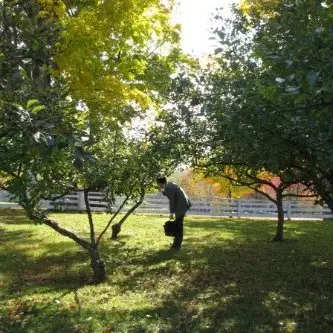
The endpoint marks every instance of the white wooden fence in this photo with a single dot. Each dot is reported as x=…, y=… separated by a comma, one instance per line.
x=213, y=206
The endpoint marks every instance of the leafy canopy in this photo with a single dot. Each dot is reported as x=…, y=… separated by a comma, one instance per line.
x=110, y=50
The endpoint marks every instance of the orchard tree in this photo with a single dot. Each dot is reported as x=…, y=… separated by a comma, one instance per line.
x=245, y=142
x=293, y=42
x=70, y=69
x=253, y=123
x=117, y=57
x=274, y=188
x=148, y=157
x=229, y=120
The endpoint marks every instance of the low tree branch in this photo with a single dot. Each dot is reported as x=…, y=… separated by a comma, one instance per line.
x=112, y=218
x=90, y=219
x=136, y=205
x=63, y=231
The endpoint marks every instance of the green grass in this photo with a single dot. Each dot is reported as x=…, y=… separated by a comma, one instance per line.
x=228, y=277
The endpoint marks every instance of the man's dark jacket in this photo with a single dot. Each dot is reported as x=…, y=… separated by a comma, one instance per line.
x=178, y=200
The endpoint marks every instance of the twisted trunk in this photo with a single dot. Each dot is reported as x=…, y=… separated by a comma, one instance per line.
x=327, y=194
x=97, y=264
x=279, y=231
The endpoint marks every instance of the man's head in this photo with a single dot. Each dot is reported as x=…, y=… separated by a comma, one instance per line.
x=161, y=181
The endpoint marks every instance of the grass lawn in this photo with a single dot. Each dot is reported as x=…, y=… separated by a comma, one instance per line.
x=228, y=277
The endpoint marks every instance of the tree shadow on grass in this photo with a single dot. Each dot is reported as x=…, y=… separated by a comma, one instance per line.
x=40, y=316
x=237, y=282
x=248, y=295
x=59, y=265
x=243, y=284
x=14, y=216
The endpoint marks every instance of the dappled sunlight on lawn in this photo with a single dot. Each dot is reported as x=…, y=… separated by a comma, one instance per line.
x=228, y=277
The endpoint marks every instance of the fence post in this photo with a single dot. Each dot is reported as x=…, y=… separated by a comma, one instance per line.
x=289, y=210
x=238, y=208
x=81, y=205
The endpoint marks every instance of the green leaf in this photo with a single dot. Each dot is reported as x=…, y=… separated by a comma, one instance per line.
x=38, y=108
x=32, y=102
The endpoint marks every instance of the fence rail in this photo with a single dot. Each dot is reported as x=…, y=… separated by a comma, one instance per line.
x=213, y=206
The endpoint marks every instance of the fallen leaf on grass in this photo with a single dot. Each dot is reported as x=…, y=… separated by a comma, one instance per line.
x=108, y=329
x=78, y=329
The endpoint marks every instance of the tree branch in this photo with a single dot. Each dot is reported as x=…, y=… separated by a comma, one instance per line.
x=65, y=232
x=263, y=193
x=112, y=218
x=137, y=204
x=90, y=219
x=300, y=195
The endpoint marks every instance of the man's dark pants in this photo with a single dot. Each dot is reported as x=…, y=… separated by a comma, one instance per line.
x=179, y=232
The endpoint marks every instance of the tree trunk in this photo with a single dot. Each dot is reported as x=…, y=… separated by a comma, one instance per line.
x=324, y=187
x=90, y=218
x=328, y=199
x=63, y=231
x=280, y=223
x=116, y=228
x=330, y=204
x=97, y=264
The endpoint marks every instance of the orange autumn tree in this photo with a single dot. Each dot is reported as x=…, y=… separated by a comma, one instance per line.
x=275, y=187
x=196, y=183
x=294, y=190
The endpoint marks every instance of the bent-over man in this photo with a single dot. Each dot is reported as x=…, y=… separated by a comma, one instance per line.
x=179, y=204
